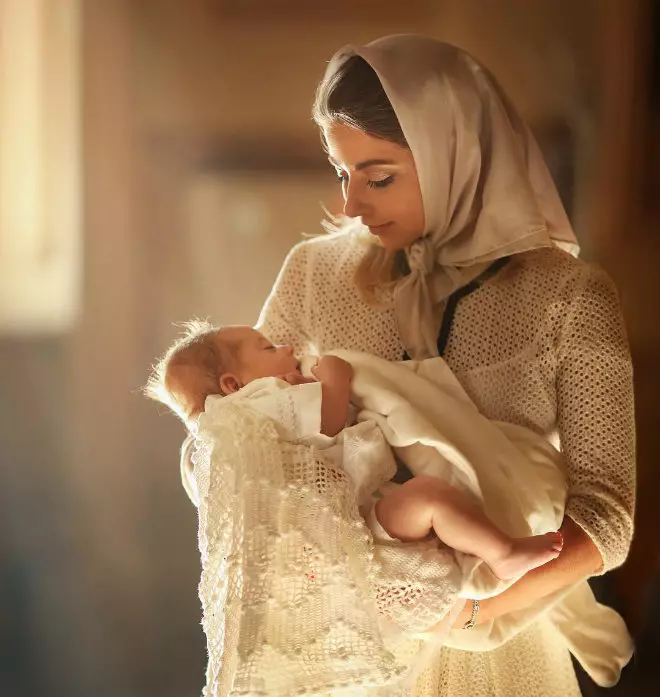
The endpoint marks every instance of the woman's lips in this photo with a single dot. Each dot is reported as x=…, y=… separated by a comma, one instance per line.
x=376, y=229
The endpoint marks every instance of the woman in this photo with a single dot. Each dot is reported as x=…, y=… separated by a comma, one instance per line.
x=457, y=245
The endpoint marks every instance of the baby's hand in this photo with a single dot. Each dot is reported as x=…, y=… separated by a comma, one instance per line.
x=333, y=369
x=296, y=378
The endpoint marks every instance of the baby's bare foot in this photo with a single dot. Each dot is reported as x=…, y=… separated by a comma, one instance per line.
x=527, y=553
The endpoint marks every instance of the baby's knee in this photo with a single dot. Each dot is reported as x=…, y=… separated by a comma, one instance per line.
x=404, y=515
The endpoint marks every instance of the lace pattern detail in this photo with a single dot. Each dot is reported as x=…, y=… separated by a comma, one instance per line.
x=292, y=592
x=286, y=411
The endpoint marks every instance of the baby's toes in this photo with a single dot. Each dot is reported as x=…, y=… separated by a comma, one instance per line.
x=556, y=540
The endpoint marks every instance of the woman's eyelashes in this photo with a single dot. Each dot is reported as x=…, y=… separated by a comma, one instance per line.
x=380, y=183
x=372, y=183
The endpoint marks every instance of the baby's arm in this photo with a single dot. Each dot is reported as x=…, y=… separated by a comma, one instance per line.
x=335, y=376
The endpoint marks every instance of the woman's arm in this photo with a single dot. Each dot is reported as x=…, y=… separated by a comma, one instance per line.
x=596, y=426
x=578, y=560
x=596, y=417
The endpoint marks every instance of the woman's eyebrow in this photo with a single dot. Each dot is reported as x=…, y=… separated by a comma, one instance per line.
x=364, y=165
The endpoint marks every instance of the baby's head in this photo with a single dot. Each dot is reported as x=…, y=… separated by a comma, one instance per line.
x=209, y=360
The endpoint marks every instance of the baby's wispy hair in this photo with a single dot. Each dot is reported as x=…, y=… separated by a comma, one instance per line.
x=190, y=369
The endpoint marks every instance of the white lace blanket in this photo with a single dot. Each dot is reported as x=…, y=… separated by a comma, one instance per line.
x=288, y=585
x=294, y=590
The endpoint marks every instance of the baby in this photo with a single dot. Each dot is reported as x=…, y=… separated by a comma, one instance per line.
x=222, y=361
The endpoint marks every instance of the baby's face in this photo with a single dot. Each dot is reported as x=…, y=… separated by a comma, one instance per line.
x=257, y=357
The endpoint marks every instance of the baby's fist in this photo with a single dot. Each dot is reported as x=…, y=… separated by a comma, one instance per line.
x=296, y=378
x=333, y=369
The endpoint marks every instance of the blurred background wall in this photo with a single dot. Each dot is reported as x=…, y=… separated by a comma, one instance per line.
x=199, y=167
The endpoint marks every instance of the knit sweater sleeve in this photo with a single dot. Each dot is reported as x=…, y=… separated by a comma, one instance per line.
x=596, y=416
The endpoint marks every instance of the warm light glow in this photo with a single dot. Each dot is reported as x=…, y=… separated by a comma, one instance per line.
x=39, y=165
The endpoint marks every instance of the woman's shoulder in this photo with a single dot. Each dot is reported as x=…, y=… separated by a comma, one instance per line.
x=548, y=260
x=558, y=272
x=314, y=268
x=341, y=243
x=325, y=241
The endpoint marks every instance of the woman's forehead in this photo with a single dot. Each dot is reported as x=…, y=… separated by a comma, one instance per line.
x=353, y=149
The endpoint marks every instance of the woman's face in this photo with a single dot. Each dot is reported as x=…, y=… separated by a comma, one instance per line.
x=380, y=184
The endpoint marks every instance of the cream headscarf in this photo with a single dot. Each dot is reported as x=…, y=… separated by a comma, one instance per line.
x=486, y=190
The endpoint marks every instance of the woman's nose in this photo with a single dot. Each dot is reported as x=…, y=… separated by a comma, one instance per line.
x=354, y=204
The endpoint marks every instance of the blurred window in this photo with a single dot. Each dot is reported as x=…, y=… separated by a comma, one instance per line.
x=39, y=165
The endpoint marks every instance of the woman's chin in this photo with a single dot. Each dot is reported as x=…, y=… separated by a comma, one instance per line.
x=388, y=244
x=382, y=240
x=389, y=238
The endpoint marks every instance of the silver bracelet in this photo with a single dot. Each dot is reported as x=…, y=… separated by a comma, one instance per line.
x=473, y=618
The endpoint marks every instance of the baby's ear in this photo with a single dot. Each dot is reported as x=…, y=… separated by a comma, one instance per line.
x=229, y=383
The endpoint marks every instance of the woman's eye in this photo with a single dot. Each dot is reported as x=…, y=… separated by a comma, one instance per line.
x=381, y=183
x=372, y=183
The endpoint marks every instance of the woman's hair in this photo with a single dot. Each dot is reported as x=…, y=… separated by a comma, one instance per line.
x=190, y=370
x=353, y=95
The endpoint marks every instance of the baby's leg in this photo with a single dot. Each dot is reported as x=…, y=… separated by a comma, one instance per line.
x=425, y=503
